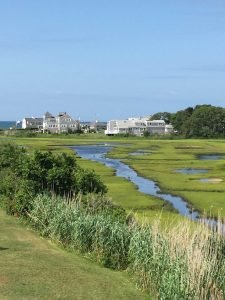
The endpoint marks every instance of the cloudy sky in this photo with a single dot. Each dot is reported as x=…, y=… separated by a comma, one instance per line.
x=102, y=59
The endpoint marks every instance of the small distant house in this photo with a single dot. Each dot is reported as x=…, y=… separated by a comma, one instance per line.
x=98, y=126
x=32, y=123
x=59, y=124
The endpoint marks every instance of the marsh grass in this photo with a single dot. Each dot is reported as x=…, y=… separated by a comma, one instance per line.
x=179, y=262
x=166, y=155
x=104, y=234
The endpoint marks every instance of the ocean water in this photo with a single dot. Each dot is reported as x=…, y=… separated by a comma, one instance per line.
x=7, y=124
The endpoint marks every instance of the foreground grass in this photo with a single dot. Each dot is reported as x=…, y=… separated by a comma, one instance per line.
x=34, y=268
x=180, y=263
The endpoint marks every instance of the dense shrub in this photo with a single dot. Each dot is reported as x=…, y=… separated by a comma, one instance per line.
x=24, y=175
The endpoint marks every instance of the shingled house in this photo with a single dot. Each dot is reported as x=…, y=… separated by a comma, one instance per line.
x=32, y=123
x=59, y=124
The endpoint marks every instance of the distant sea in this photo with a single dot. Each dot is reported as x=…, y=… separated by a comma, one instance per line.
x=7, y=124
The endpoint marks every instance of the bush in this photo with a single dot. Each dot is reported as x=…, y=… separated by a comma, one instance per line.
x=25, y=175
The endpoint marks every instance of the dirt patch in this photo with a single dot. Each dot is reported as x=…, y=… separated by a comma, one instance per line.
x=211, y=180
x=188, y=147
x=3, y=280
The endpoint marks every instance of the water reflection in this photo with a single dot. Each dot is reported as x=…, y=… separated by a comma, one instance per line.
x=140, y=152
x=210, y=156
x=191, y=171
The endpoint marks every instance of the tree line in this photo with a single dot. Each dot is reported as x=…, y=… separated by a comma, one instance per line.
x=204, y=121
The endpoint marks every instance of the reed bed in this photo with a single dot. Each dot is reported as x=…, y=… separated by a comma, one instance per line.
x=183, y=262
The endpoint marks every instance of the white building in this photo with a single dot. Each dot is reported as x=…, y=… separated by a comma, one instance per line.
x=32, y=123
x=156, y=126
x=137, y=126
x=169, y=128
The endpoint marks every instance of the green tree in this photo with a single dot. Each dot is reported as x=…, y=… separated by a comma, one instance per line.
x=180, y=120
x=166, y=116
x=207, y=121
x=23, y=175
x=201, y=121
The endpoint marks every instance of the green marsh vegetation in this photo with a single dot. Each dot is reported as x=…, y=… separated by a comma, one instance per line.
x=26, y=177
x=160, y=162
x=165, y=157
x=180, y=262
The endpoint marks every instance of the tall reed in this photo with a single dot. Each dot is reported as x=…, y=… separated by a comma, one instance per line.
x=182, y=262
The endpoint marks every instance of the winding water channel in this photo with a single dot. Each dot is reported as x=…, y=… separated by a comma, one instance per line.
x=98, y=153
x=147, y=186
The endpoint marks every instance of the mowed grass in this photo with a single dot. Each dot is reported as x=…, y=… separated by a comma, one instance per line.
x=34, y=268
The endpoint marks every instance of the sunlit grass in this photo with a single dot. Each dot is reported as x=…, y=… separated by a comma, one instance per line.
x=165, y=156
x=34, y=268
x=178, y=261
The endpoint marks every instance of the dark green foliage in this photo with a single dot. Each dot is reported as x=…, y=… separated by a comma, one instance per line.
x=202, y=121
x=24, y=175
x=205, y=121
x=88, y=182
x=102, y=205
x=51, y=172
x=180, y=120
x=166, y=116
x=11, y=156
x=111, y=242
x=146, y=134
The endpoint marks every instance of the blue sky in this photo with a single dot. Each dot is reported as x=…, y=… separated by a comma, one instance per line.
x=110, y=59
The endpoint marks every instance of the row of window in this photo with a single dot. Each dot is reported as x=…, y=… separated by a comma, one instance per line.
x=62, y=126
x=155, y=124
x=64, y=120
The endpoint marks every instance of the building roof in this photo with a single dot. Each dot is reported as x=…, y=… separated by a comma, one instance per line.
x=129, y=123
x=34, y=119
x=48, y=115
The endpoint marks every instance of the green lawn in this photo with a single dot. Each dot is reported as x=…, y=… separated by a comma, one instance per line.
x=34, y=268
